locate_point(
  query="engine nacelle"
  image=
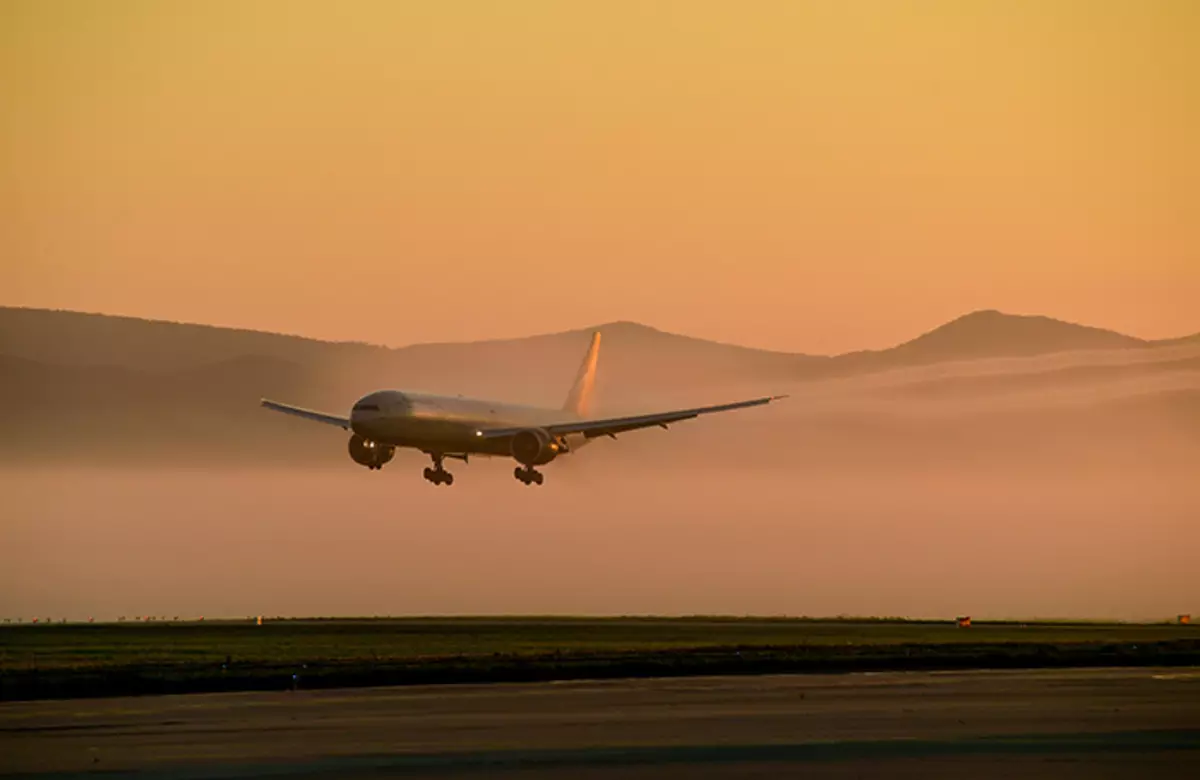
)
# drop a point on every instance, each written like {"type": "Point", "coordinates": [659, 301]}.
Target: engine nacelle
{"type": "Point", "coordinates": [368, 453]}
{"type": "Point", "coordinates": [535, 447]}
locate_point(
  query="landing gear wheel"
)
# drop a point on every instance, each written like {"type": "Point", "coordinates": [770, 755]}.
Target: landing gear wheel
{"type": "Point", "coordinates": [528, 475]}
{"type": "Point", "coordinates": [438, 475]}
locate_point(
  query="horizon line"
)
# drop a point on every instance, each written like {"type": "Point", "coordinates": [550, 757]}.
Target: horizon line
{"type": "Point", "coordinates": [592, 328]}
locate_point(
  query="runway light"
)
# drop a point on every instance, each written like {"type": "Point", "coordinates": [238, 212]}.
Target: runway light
{"type": "Point", "coordinates": [478, 433]}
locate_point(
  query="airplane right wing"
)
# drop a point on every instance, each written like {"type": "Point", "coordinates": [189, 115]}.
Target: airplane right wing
{"type": "Point", "coordinates": [308, 414]}
{"type": "Point", "coordinates": [612, 426]}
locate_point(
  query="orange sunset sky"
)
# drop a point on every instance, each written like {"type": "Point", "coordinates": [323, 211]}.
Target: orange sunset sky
{"type": "Point", "coordinates": [817, 176]}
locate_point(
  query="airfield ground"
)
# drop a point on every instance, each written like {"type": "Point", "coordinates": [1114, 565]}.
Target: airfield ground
{"type": "Point", "coordinates": [1063, 723]}
{"type": "Point", "coordinates": [132, 658]}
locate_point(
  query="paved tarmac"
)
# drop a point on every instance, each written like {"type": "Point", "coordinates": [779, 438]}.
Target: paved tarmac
{"type": "Point", "coordinates": [1035, 724]}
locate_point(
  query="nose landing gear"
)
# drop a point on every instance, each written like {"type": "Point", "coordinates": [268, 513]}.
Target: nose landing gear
{"type": "Point", "coordinates": [528, 475]}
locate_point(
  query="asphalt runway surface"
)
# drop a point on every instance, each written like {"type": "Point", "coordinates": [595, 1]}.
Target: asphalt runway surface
{"type": "Point", "coordinates": [1034, 724]}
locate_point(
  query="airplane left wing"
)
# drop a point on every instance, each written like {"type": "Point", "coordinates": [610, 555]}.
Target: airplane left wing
{"type": "Point", "coordinates": [308, 414]}
{"type": "Point", "coordinates": [612, 426]}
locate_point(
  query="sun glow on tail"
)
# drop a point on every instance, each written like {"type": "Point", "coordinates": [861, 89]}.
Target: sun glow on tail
{"type": "Point", "coordinates": [579, 399]}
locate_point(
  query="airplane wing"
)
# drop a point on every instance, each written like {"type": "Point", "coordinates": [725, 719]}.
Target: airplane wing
{"type": "Point", "coordinates": [308, 414]}
{"type": "Point", "coordinates": [614, 425]}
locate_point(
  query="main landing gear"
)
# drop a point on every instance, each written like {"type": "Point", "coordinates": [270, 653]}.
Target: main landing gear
{"type": "Point", "coordinates": [438, 474]}
{"type": "Point", "coordinates": [529, 475]}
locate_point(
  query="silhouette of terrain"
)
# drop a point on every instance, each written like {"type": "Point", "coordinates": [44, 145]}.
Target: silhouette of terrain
{"type": "Point", "coordinates": [990, 334]}
{"type": "Point", "coordinates": [95, 386]}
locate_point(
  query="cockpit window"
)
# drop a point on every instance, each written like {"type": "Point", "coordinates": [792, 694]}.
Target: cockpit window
{"type": "Point", "coordinates": [366, 407]}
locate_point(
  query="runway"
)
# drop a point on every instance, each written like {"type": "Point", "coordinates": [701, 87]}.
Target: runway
{"type": "Point", "coordinates": [1052, 724]}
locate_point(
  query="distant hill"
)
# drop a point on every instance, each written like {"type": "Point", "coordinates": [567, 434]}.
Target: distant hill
{"type": "Point", "coordinates": [76, 338]}
{"type": "Point", "coordinates": [995, 334]}
{"type": "Point", "coordinates": [990, 334]}
{"type": "Point", "coordinates": [1182, 340]}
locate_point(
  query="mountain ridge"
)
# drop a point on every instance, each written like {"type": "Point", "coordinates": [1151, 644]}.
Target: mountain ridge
{"type": "Point", "coordinates": [982, 333]}
{"type": "Point", "coordinates": [80, 386]}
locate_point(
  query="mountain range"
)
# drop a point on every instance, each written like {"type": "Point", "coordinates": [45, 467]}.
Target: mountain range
{"type": "Point", "coordinates": [77, 382]}
{"type": "Point", "coordinates": [75, 338]}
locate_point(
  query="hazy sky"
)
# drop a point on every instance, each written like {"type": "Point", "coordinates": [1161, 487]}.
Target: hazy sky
{"type": "Point", "coordinates": [816, 176]}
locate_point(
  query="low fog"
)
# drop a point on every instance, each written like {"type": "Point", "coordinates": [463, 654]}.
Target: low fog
{"type": "Point", "coordinates": [1045, 486]}
{"type": "Point", "coordinates": [600, 538]}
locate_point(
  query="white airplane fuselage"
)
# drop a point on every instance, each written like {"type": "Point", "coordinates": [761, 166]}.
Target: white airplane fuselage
{"type": "Point", "coordinates": [444, 424]}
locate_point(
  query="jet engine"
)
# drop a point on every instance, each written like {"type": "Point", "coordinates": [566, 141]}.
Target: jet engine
{"type": "Point", "coordinates": [534, 447]}
{"type": "Point", "coordinates": [368, 453]}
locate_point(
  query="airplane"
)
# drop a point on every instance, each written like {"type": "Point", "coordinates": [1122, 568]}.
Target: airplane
{"type": "Point", "coordinates": [453, 427]}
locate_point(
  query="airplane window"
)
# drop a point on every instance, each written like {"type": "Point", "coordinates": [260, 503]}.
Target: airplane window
{"type": "Point", "coordinates": [367, 407]}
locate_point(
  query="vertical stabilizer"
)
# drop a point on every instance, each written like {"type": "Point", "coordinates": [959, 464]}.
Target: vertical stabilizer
{"type": "Point", "coordinates": [580, 398]}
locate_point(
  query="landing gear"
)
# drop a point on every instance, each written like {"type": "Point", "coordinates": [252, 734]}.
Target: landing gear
{"type": "Point", "coordinates": [528, 475]}
{"type": "Point", "coordinates": [438, 474]}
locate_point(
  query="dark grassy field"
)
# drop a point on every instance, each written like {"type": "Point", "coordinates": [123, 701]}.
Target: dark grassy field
{"type": "Point", "coordinates": [39, 661]}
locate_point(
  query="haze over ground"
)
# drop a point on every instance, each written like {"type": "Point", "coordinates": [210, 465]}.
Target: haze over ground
{"type": "Point", "coordinates": [807, 180]}
{"type": "Point", "coordinates": [964, 471]}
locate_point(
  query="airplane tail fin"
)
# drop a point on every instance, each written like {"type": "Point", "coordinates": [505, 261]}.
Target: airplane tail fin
{"type": "Point", "coordinates": [579, 399]}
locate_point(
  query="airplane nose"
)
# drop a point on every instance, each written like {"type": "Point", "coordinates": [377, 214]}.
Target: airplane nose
{"type": "Point", "coordinates": [364, 411]}
{"type": "Point", "coordinates": [377, 408]}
